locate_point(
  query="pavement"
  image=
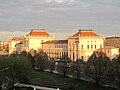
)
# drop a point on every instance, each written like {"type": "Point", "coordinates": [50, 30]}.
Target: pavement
{"type": "Point", "coordinates": [35, 87]}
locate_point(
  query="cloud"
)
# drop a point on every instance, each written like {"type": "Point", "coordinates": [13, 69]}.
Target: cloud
{"type": "Point", "coordinates": [60, 15]}
{"type": "Point", "coordinates": [4, 35]}
{"type": "Point", "coordinates": [59, 1]}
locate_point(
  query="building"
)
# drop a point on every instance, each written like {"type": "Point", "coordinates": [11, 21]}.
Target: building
{"type": "Point", "coordinates": [56, 48]}
{"type": "Point", "coordinates": [111, 51]}
{"type": "Point", "coordinates": [83, 43]}
{"type": "Point", "coordinates": [113, 41]}
{"type": "Point", "coordinates": [34, 40]}
{"type": "Point", "coordinates": [12, 44]}
{"type": "Point", "coordinates": [3, 48]}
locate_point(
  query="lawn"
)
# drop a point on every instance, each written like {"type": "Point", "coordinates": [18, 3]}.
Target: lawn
{"type": "Point", "coordinates": [65, 83]}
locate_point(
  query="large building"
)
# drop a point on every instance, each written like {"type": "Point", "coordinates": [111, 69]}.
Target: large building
{"type": "Point", "coordinates": [56, 48]}
{"type": "Point", "coordinates": [83, 43]}
{"type": "Point", "coordinates": [34, 40]}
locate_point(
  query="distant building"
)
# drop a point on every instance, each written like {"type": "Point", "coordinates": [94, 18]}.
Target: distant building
{"type": "Point", "coordinates": [3, 48]}
{"type": "Point", "coordinates": [56, 48]}
{"type": "Point", "coordinates": [112, 41]}
{"type": "Point", "coordinates": [12, 44]}
{"type": "Point", "coordinates": [83, 44]}
{"type": "Point", "coordinates": [34, 40]}
{"type": "Point", "coordinates": [111, 51]}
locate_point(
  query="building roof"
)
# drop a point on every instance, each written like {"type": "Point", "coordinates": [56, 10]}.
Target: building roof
{"type": "Point", "coordinates": [16, 38]}
{"type": "Point", "coordinates": [84, 33]}
{"type": "Point", "coordinates": [56, 42]}
{"type": "Point", "coordinates": [110, 47]}
{"type": "Point", "coordinates": [113, 37]}
{"type": "Point", "coordinates": [38, 32]}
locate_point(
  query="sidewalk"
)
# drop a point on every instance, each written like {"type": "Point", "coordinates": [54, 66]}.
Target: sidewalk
{"type": "Point", "coordinates": [35, 87]}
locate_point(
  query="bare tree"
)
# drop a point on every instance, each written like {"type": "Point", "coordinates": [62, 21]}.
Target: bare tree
{"type": "Point", "coordinates": [77, 68]}
{"type": "Point", "coordinates": [41, 60]}
{"type": "Point", "coordinates": [63, 66]}
{"type": "Point", "coordinates": [97, 67]}
{"type": "Point", "coordinates": [114, 73]}
{"type": "Point", "coordinates": [51, 64]}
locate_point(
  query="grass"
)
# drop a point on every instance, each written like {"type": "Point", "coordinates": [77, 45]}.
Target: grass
{"type": "Point", "coordinates": [65, 83]}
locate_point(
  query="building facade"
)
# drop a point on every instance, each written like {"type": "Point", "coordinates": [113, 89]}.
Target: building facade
{"type": "Point", "coordinates": [82, 44]}
{"type": "Point", "coordinates": [56, 48]}
{"type": "Point", "coordinates": [111, 51]}
{"type": "Point", "coordinates": [34, 40]}
{"type": "Point", "coordinates": [12, 44]}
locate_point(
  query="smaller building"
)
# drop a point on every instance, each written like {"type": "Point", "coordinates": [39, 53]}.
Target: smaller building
{"type": "Point", "coordinates": [3, 48]}
{"type": "Point", "coordinates": [113, 41]}
{"type": "Point", "coordinates": [111, 51]}
{"type": "Point", "coordinates": [19, 47]}
{"type": "Point", "coordinates": [55, 48]}
{"type": "Point", "coordinates": [12, 44]}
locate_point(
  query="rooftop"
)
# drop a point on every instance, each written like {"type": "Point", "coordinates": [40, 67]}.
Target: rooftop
{"type": "Point", "coordinates": [38, 32]}
{"type": "Point", "coordinates": [56, 42]}
{"type": "Point", "coordinates": [16, 38]}
{"type": "Point", "coordinates": [84, 33]}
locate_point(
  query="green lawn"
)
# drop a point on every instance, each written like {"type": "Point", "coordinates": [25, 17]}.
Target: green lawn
{"type": "Point", "coordinates": [65, 83]}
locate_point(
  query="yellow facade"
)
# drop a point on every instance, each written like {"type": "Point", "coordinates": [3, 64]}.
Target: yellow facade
{"type": "Point", "coordinates": [56, 48]}
{"type": "Point", "coordinates": [12, 44]}
{"type": "Point", "coordinates": [111, 51]}
{"type": "Point", "coordinates": [82, 44]}
{"type": "Point", "coordinates": [34, 40]}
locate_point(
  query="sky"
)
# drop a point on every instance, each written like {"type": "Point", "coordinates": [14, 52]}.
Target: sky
{"type": "Point", "coordinates": [59, 17]}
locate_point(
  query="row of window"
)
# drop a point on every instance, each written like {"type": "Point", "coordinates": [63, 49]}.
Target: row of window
{"type": "Point", "coordinates": [88, 46]}
{"type": "Point", "coordinates": [91, 46]}
{"type": "Point", "coordinates": [61, 46]}
{"type": "Point", "coordinates": [56, 54]}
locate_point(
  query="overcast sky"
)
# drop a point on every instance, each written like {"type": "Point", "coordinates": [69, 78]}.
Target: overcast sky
{"type": "Point", "coordinates": [61, 17]}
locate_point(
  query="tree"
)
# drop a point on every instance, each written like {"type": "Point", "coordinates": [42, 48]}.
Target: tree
{"type": "Point", "coordinates": [31, 56]}
{"type": "Point", "coordinates": [63, 65]}
{"type": "Point", "coordinates": [24, 54]}
{"type": "Point", "coordinates": [97, 67]}
{"type": "Point", "coordinates": [114, 73]}
{"type": "Point", "coordinates": [51, 64]}
{"type": "Point", "coordinates": [3, 70]}
{"type": "Point", "coordinates": [77, 68]}
{"type": "Point", "coordinates": [41, 61]}
{"type": "Point", "coordinates": [18, 69]}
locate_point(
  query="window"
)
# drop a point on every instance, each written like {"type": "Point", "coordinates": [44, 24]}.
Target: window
{"type": "Point", "coordinates": [95, 47]}
{"type": "Point", "coordinates": [66, 46]}
{"type": "Point", "coordinates": [73, 56]}
{"type": "Point", "coordinates": [87, 46]}
{"type": "Point", "coordinates": [81, 46]}
{"type": "Point", "coordinates": [100, 46]}
{"type": "Point", "coordinates": [91, 46]}
{"type": "Point", "coordinates": [73, 46]}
